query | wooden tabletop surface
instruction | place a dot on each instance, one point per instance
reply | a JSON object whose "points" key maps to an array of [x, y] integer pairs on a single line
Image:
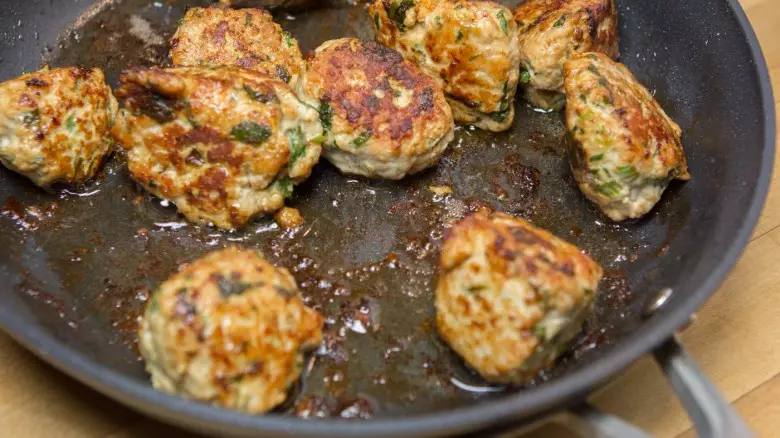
{"points": [[734, 340]]}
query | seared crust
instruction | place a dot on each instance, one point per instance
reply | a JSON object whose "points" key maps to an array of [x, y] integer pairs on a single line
{"points": [[468, 45], [54, 124], [385, 117], [550, 31], [223, 144], [626, 149], [228, 329], [511, 296], [246, 38]]}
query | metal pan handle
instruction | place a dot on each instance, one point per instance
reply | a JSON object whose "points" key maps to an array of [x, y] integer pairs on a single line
{"points": [[712, 416]]}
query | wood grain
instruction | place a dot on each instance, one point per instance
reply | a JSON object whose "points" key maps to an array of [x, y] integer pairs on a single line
{"points": [[734, 339]]}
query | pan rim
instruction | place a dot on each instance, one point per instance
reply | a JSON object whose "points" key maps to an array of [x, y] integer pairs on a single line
{"points": [[521, 406]]}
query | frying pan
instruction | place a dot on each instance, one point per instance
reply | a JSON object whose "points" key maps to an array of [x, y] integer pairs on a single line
{"points": [[78, 263]]}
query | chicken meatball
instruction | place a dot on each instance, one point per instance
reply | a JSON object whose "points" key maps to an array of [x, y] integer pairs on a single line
{"points": [[223, 144], [228, 329], [469, 46], [383, 116], [246, 38], [550, 31], [625, 149], [54, 124], [511, 296]]}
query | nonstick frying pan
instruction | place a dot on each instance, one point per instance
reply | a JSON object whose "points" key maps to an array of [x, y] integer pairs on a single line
{"points": [[77, 263]]}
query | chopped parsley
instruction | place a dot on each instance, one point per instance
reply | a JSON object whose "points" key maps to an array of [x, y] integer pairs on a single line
{"points": [[525, 76], [459, 36], [628, 172], [326, 116], [503, 22], [610, 189], [297, 144], [288, 39], [71, 123], [285, 185], [397, 12], [259, 96], [250, 132], [31, 118], [560, 21], [539, 331], [361, 139], [376, 21], [597, 157]]}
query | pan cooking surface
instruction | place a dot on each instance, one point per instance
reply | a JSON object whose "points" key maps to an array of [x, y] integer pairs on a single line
{"points": [[365, 257]]}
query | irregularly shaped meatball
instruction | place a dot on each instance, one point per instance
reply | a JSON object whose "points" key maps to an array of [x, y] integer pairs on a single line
{"points": [[223, 144], [54, 124], [550, 31], [246, 38], [625, 149], [228, 329], [470, 46], [511, 296], [383, 116]]}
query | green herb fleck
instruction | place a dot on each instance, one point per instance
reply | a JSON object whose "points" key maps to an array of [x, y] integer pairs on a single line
{"points": [[231, 286], [154, 303], [503, 23], [592, 68], [297, 144], [31, 118], [318, 139], [259, 96], [326, 116], [539, 331], [597, 157], [477, 288], [439, 21], [583, 98], [282, 73], [377, 23], [285, 185], [397, 12], [288, 39], [361, 139], [459, 36], [628, 172], [525, 76], [71, 123], [181, 21], [560, 21], [250, 132], [610, 189]]}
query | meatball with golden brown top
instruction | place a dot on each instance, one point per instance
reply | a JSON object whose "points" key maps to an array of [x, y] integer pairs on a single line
{"points": [[54, 124], [625, 149], [228, 329], [511, 296], [470, 46], [550, 31], [246, 38], [383, 116], [223, 144]]}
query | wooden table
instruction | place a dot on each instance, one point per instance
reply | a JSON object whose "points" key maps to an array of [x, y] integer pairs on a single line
{"points": [[735, 340]]}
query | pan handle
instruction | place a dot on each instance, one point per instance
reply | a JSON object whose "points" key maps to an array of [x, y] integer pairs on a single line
{"points": [[712, 416]]}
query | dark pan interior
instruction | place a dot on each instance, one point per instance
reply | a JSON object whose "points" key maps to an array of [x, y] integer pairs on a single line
{"points": [[80, 261]]}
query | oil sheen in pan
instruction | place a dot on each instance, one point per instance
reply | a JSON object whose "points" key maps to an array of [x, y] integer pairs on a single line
{"points": [[366, 255]]}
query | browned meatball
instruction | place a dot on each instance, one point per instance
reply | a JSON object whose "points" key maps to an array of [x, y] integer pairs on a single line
{"points": [[469, 46], [550, 31], [246, 38], [229, 329], [54, 124], [511, 296], [384, 117], [625, 148], [223, 144]]}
